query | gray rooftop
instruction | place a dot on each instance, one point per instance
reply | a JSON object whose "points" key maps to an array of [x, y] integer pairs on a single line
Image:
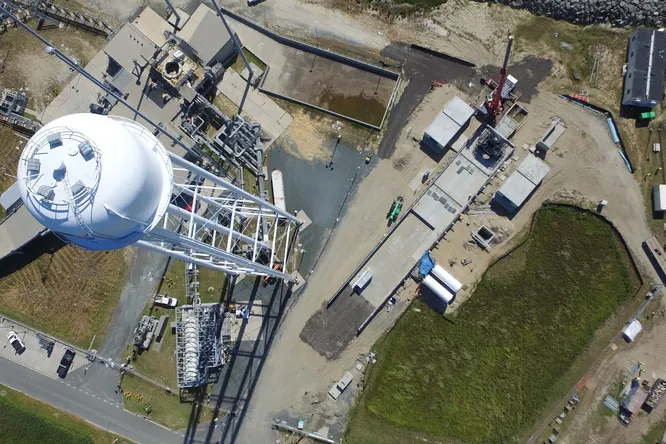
{"points": [[524, 180], [533, 169], [458, 110], [18, 230], [436, 208], [461, 180], [129, 45], [442, 129], [205, 33], [448, 123], [516, 189]]}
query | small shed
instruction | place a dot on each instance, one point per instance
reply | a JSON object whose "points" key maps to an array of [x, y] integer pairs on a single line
{"points": [[659, 198], [631, 330]]}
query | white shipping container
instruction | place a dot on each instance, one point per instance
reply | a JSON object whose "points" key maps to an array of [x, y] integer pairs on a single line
{"points": [[446, 278], [438, 289], [631, 330], [363, 281]]}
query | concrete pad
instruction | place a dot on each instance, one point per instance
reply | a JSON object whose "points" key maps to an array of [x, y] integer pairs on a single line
{"points": [[259, 107], [395, 258], [437, 209], [306, 220], [153, 26], [35, 357], [461, 180], [300, 281]]}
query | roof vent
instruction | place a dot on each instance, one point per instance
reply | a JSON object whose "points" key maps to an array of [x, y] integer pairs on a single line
{"points": [[54, 139], [33, 166], [77, 188], [46, 192], [86, 149]]}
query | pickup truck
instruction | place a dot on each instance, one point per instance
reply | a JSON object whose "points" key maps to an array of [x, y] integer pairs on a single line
{"points": [[16, 342], [66, 363]]}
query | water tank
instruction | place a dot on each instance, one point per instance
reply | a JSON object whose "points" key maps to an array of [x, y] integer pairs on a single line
{"points": [[438, 289], [109, 180], [445, 278]]}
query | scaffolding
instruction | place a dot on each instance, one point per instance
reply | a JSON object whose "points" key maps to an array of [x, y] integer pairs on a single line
{"points": [[198, 346]]}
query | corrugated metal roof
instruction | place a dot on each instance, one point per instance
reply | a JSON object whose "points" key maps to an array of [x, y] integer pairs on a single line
{"points": [[645, 61]]}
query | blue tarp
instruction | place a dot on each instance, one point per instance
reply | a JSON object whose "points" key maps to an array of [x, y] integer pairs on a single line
{"points": [[426, 265]]}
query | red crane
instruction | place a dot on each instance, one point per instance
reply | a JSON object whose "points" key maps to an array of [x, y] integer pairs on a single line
{"points": [[495, 105]]}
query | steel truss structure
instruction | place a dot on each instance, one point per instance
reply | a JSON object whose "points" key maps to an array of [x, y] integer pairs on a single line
{"points": [[198, 345], [224, 226]]}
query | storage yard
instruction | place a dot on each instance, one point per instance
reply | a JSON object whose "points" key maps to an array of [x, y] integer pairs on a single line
{"points": [[466, 185]]}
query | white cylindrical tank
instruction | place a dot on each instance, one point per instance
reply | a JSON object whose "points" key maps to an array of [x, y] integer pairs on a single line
{"points": [[98, 181], [438, 289], [445, 278]]}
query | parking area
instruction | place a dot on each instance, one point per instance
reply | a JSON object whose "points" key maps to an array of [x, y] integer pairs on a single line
{"points": [[35, 357]]}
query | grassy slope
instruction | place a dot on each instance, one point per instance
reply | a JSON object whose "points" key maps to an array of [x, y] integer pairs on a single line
{"points": [[486, 376], [70, 294], [25, 420], [161, 365]]}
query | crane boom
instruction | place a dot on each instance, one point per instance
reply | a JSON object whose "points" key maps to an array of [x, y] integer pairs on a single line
{"points": [[495, 105]]}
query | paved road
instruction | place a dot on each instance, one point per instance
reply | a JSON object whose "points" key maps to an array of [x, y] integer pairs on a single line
{"points": [[80, 403]]}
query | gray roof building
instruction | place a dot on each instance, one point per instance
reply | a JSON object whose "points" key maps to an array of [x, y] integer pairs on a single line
{"points": [[448, 125], [518, 187], [205, 38], [646, 68]]}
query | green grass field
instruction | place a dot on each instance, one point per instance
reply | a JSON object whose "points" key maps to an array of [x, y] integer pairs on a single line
{"points": [[24, 420], [485, 374], [167, 409]]}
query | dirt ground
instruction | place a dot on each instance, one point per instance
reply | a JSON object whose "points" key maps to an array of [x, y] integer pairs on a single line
{"points": [[27, 67]]}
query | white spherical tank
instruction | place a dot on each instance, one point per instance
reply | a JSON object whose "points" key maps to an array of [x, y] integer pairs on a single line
{"points": [[100, 182]]}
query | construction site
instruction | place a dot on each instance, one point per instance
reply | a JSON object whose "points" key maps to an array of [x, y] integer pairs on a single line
{"points": [[294, 221]]}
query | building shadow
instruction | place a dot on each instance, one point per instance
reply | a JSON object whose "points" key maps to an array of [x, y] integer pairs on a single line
{"points": [[231, 394], [48, 243], [432, 300]]}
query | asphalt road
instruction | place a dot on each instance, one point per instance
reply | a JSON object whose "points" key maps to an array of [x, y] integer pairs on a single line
{"points": [[84, 405]]}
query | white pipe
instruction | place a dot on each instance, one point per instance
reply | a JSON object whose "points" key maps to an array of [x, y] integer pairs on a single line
{"points": [[438, 289]]}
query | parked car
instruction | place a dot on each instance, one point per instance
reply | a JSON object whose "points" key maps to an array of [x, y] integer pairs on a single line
{"points": [[16, 342], [66, 363], [166, 301], [97, 109]]}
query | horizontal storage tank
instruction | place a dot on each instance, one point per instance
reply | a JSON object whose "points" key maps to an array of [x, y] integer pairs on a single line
{"points": [[445, 278], [631, 330], [438, 289]]}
